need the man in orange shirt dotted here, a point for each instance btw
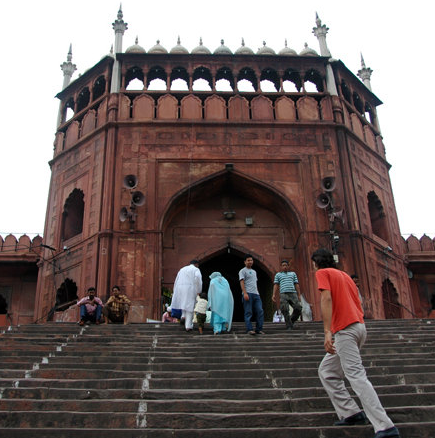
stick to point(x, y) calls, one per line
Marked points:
point(343, 317)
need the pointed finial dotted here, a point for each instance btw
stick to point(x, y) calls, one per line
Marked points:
point(318, 20)
point(158, 41)
point(243, 42)
point(136, 41)
point(120, 15)
point(222, 42)
point(285, 43)
point(68, 68)
point(111, 49)
point(365, 73)
point(179, 40)
point(200, 41)
point(306, 45)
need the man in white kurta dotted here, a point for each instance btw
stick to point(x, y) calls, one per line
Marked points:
point(187, 286)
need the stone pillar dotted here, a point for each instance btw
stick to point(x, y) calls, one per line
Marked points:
point(106, 229)
point(119, 26)
point(365, 74)
point(320, 32)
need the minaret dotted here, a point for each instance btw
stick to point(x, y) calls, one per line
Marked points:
point(320, 32)
point(68, 69)
point(119, 26)
point(365, 74)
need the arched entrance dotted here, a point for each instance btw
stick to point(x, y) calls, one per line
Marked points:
point(220, 218)
point(229, 263)
point(390, 300)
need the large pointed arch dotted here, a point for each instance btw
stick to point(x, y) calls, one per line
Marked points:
point(226, 215)
point(243, 184)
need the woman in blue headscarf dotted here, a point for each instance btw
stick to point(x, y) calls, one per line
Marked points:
point(221, 303)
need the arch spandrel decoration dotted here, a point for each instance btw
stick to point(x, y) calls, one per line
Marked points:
point(167, 107)
point(238, 108)
point(308, 108)
point(143, 107)
point(215, 108)
point(191, 107)
point(262, 108)
point(88, 124)
point(241, 184)
point(285, 109)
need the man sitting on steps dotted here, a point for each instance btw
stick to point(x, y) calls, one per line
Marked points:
point(90, 307)
point(116, 308)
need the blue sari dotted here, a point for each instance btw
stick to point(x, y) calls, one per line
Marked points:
point(221, 303)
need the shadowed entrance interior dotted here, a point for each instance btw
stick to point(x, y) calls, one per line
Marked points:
point(229, 265)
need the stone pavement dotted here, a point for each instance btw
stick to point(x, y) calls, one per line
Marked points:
point(155, 380)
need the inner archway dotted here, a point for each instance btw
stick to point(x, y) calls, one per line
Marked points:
point(229, 263)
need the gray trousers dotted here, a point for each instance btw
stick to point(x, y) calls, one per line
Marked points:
point(288, 299)
point(347, 363)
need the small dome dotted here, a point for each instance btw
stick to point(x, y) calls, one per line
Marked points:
point(222, 50)
point(265, 50)
point(135, 48)
point(179, 48)
point(243, 50)
point(201, 50)
point(287, 51)
point(158, 48)
point(308, 51)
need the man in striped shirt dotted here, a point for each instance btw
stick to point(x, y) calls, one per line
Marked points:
point(286, 291)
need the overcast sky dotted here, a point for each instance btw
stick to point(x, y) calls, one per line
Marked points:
point(394, 37)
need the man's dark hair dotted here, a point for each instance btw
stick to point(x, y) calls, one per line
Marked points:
point(323, 258)
point(248, 256)
point(116, 287)
point(284, 261)
point(91, 289)
point(194, 262)
point(203, 295)
point(353, 276)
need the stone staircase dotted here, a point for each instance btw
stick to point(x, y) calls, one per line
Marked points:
point(155, 380)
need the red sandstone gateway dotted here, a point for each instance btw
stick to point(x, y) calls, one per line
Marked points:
point(146, 179)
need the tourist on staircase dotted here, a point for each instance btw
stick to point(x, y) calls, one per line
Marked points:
point(221, 303)
point(343, 318)
point(187, 286)
point(287, 292)
point(252, 305)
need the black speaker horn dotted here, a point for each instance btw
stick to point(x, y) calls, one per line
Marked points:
point(328, 184)
point(123, 214)
point(138, 199)
point(130, 181)
point(323, 200)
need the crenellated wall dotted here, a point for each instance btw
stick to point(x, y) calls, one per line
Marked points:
point(18, 276)
point(420, 260)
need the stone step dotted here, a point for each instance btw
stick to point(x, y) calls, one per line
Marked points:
point(183, 420)
point(407, 430)
point(205, 405)
point(42, 393)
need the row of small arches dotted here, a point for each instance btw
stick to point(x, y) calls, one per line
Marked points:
point(201, 79)
point(178, 79)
